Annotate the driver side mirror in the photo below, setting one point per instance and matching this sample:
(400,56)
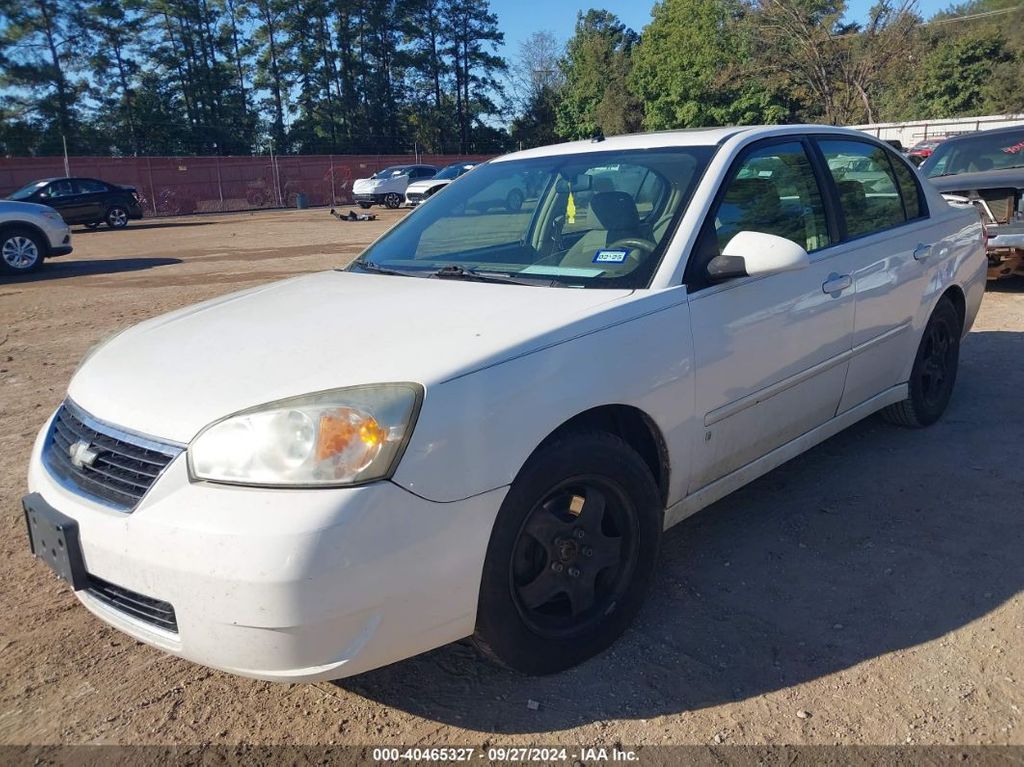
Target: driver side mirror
(755,254)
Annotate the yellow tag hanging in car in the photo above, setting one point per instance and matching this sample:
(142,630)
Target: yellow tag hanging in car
(570,208)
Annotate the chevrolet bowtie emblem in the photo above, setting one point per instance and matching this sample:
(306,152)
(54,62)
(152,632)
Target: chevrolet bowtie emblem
(82,454)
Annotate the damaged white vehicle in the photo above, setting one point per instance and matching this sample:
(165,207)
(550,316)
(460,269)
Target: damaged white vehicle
(387,187)
(482,426)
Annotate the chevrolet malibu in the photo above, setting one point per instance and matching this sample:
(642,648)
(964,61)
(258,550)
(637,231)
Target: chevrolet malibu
(482,426)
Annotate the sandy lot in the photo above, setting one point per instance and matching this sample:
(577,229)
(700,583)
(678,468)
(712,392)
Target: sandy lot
(874,583)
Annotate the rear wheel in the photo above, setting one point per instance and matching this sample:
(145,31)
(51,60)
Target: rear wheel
(934,372)
(21,251)
(571,555)
(117,217)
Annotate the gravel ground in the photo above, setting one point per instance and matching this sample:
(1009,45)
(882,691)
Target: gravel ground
(868,592)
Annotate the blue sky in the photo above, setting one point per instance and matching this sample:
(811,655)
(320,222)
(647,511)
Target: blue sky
(520,18)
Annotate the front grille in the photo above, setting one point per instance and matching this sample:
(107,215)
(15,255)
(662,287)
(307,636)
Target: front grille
(146,609)
(414,196)
(124,465)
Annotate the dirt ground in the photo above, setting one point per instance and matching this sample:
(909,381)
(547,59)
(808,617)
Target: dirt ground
(873,584)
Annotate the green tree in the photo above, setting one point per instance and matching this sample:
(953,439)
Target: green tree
(40,41)
(692,68)
(958,73)
(597,67)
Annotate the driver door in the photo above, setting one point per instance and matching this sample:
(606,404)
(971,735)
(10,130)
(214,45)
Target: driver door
(770,351)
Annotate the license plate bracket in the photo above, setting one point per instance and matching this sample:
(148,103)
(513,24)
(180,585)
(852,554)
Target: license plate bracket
(53,537)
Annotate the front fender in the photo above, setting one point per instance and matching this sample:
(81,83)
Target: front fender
(476,431)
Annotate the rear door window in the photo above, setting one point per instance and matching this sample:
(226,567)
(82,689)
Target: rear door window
(90,186)
(868,190)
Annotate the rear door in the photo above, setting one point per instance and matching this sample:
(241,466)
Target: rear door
(887,239)
(95,195)
(771,352)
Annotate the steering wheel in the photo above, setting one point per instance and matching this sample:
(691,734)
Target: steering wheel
(634,242)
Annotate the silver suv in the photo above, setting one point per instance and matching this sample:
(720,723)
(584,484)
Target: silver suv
(28,234)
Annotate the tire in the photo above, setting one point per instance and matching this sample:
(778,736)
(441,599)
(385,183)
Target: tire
(514,200)
(21,251)
(92,225)
(365,205)
(392,200)
(116,217)
(558,588)
(934,373)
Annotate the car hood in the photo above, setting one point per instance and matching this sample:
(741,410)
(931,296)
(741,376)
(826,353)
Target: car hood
(172,375)
(15,207)
(430,183)
(380,185)
(989,179)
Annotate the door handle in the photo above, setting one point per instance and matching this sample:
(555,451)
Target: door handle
(836,283)
(922,251)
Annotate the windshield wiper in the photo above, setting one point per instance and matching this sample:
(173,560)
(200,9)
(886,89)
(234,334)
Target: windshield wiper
(369,266)
(456,272)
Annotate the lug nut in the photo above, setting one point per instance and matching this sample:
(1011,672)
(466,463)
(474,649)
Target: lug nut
(556,566)
(574,572)
(587,551)
(578,532)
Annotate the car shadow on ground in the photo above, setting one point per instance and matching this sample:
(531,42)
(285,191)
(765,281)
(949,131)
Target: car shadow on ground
(156,225)
(58,270)
(1006,285)
(877,540)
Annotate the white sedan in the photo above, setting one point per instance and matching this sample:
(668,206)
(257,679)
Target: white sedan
(482,427)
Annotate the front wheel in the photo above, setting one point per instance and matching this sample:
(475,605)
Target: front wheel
(392,200)
(117,217)
(21,251)
(571,555)
(365,205)
(934,372)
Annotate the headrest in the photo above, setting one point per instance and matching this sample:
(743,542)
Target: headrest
(852,194)
(615,210)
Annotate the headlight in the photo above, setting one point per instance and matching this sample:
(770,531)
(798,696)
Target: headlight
(341,437)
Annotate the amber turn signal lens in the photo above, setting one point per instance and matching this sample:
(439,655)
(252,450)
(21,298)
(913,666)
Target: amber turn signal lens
(344,429)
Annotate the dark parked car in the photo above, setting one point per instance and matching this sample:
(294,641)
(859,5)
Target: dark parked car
(86,201)
(987,168)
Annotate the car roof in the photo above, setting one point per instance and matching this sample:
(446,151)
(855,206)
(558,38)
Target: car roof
(678,138)
(990,132)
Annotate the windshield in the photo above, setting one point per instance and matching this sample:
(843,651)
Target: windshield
(26,191)
(982,152)
(593,220)
(453,171)
(394,170)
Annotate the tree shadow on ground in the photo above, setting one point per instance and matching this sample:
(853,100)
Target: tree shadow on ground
(877,540)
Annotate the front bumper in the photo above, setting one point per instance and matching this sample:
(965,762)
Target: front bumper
(372,198)
(285,585)
(1005,249)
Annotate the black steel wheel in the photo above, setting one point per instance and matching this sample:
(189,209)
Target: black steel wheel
(934,373)
(571,555)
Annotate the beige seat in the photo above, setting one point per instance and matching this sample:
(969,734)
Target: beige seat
(617,219)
